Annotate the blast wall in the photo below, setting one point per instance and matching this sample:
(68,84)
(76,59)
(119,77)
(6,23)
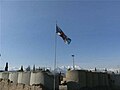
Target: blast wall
(5,84)
(13,76)
(4,75)
(89,82)
(95,79)
(115,80)
(24,77)
(100,79)
(44,78)
(76,79)
(36,78)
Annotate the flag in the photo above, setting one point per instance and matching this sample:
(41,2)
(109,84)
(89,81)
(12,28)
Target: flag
(62,34)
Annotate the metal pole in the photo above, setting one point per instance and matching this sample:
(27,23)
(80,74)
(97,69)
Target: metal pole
(55,55)
(73,62)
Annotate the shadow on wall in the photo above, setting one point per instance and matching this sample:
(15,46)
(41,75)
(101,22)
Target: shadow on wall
(76,86)
(73,85)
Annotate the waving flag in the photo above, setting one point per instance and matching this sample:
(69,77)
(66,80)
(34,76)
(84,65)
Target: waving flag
(61,34)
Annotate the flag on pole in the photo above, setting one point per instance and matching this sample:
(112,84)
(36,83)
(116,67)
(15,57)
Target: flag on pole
(61,34)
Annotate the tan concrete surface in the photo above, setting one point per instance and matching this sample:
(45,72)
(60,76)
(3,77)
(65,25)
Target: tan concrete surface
(6,84)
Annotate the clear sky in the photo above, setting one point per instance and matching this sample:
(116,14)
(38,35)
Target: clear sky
(27,32)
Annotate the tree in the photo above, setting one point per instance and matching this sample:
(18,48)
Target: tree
(105,69)
(95,69)
(21,69)
(28,68)
(6,67)
(34,68)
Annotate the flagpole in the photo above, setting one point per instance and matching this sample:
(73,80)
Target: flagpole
(55,55)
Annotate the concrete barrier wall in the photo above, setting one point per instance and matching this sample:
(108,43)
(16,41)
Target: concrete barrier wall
(44,78)
(49,81)
(100,79)
(72,75)
(82,78)
(24,77)
(106,79)
(95,79)
(116,79)
(37,78)
(32,78)
(7,85)
(4,75)
(76,79)
(1,74)
(89,79)
(72,78)
(13,76)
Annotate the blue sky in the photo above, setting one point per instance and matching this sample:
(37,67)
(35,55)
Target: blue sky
(27,32)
